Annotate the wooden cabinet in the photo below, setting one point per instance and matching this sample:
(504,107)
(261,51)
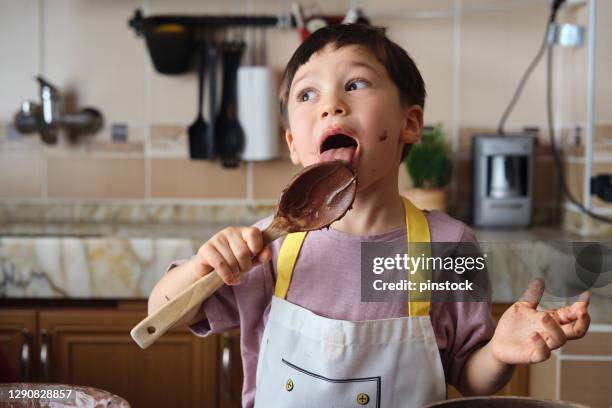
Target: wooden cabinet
(94,348)
(519,383)
(91,346)
(17,337)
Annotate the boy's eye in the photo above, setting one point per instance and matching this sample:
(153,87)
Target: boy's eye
(306,95)
(357,84)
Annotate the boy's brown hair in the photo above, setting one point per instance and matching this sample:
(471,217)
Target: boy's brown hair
(400,67)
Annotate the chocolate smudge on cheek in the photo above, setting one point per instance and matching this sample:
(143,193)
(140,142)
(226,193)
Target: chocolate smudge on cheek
(383,136)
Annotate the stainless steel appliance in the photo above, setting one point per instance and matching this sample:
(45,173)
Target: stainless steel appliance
(502,180)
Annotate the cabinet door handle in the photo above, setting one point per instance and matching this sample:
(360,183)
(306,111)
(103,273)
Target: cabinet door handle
(226,364)
(25,355)
(44,355)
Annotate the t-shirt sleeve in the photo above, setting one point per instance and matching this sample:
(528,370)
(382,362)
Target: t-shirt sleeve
(461,327)
(218,313)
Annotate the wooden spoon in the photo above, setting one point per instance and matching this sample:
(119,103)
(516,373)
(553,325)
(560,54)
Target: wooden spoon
(316,197)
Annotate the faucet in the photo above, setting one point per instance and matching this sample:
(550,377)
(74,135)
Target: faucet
(47,117)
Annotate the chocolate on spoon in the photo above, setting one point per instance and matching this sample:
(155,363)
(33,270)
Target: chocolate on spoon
(316,197)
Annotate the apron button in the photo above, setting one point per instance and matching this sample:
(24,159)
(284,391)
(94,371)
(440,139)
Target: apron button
(289,385)
(363,399)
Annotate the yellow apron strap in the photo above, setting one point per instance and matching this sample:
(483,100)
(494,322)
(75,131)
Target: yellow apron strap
(287,257)
(418,232)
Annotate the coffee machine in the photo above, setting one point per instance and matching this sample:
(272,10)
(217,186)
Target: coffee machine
(502,180)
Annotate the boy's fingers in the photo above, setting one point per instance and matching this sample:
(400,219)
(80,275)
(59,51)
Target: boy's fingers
(222,245)
(539,349)
(583,300)
(551,332)
(235,280)
(564,315)
(569,314)
(202,267)
(240,250)
(253,238)
(265,255)
(577,329)
(217,262)
(533,294)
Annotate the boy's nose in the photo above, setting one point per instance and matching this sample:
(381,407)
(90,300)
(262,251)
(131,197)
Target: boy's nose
(334,108)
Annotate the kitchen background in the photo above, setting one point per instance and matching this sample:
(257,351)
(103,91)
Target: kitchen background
(471,58)
(114,207)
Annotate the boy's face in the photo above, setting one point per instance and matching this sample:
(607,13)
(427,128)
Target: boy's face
(347,91)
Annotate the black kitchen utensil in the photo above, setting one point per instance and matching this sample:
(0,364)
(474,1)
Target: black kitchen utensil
(170,46)
(212,96)
(199,148)
(229,136)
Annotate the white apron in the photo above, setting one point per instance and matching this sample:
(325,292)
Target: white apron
(306,360)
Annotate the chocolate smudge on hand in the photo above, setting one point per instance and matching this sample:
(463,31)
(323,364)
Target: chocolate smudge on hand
(383,136)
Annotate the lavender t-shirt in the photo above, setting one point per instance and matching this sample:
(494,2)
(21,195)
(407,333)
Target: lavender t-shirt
(327,281)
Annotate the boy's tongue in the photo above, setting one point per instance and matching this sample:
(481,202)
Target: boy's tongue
(341,153)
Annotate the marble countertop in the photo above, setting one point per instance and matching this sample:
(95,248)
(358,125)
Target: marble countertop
(190,229)
(107,260)
(194,231)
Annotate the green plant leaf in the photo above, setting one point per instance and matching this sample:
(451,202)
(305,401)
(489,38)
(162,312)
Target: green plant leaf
(428,162)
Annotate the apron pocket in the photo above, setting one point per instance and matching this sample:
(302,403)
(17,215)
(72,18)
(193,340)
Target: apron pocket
(303,387)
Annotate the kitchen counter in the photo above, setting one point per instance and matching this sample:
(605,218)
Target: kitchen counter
(197,231)
(88,261)
(516,257)
(102,250)
(124,260)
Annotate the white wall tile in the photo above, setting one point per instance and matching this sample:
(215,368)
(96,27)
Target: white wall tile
(19,55)
(429,42)
(90,51)
(497,47)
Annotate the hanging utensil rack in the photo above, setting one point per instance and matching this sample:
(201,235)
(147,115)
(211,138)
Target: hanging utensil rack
(139,23)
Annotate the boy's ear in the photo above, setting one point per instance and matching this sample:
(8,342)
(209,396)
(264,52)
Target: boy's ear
(413,124)
(289,138)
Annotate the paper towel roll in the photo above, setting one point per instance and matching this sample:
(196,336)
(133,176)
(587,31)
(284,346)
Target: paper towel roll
(257,112)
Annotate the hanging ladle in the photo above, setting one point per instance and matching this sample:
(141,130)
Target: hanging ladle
(316,197)
(199,146)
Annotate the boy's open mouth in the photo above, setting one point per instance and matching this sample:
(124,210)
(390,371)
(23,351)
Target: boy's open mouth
(338,147)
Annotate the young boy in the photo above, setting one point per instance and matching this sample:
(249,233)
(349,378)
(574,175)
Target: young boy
(307,339)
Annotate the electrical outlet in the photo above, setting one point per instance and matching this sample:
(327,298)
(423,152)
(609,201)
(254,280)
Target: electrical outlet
(119,132)
(570,35)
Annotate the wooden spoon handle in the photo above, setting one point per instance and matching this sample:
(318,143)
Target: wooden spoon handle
(155,325)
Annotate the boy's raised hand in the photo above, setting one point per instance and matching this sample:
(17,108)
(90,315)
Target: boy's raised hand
(231,251)
(525,335)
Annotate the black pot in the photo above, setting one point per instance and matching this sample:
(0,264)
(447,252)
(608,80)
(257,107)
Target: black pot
(170,45)
(503,402)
